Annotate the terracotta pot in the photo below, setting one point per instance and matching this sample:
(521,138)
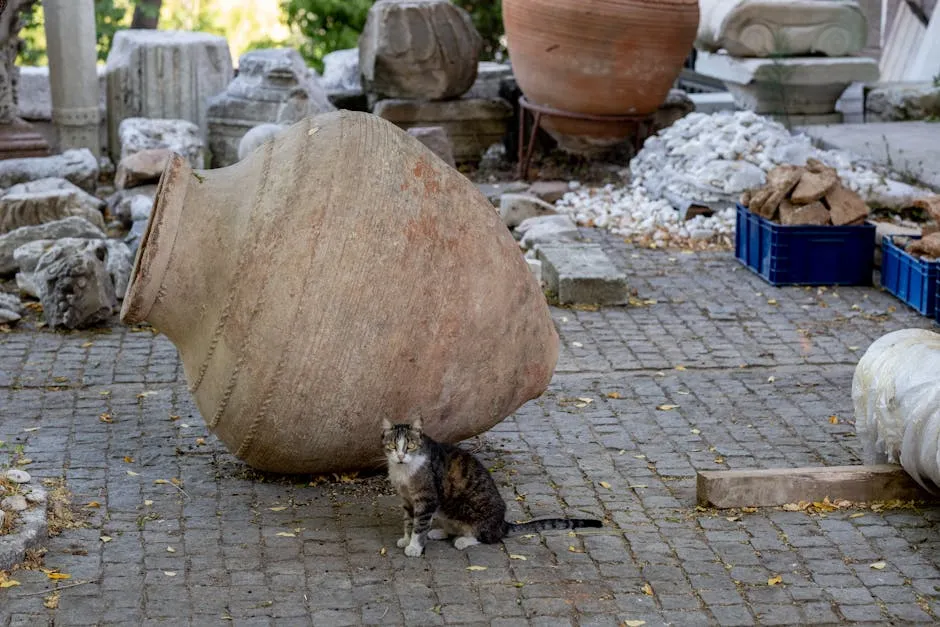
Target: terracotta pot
(340,274)
(598,57)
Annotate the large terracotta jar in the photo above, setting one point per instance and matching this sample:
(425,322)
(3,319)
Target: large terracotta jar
(598,57)
(339,275)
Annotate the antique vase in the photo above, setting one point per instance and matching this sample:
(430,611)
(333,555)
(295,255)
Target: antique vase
(598,57)
(339,275)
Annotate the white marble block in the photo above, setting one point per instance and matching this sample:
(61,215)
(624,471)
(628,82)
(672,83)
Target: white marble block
(164,74)
(803,89)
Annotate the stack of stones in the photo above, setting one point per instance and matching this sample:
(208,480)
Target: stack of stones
(274,88)
(21,501)
(419,63)
(809,195)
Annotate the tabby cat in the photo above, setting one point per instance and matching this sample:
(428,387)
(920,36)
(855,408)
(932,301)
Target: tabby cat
(447,486)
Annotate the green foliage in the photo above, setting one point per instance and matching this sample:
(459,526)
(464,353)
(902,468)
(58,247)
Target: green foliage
(33,48)
(110,16)
(488,18)
(326,25)
(936,80)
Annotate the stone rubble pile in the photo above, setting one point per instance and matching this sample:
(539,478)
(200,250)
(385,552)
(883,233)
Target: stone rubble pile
(708,161)
(807,195)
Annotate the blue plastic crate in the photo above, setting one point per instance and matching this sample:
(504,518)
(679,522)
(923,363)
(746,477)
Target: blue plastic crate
(805,255)
(911,279)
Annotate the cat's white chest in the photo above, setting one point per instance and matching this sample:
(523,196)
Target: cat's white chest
(400,474)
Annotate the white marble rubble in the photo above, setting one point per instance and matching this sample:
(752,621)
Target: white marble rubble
(711,159)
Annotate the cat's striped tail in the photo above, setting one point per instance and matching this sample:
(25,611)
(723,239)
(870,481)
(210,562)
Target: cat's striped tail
(544,524)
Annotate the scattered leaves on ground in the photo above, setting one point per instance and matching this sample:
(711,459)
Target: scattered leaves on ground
(773,581)
(878,565)
(647,589)
(667,407)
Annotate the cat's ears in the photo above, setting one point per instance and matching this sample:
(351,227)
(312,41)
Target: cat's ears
(386,425)
(416,424)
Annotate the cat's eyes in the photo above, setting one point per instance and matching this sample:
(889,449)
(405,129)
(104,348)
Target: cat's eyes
(390,446)
(412,446)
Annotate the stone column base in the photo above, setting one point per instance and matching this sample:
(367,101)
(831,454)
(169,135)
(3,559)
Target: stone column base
(19,139)
(802,89)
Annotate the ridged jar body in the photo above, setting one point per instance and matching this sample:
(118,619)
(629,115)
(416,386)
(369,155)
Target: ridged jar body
(339,275)
(598,57)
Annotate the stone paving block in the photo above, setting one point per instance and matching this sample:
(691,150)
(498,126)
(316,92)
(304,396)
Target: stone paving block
(582,274)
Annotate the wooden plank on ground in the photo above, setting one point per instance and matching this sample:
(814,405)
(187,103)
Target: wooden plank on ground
(775,487)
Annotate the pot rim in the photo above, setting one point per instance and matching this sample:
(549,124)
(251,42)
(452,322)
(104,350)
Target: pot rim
(157,243)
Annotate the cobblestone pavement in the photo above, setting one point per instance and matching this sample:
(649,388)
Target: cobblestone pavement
(756,372)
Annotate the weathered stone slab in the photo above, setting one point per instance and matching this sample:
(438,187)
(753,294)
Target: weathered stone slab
(514,209)
(582,274)
(472,124)
(76,166)
(546,230)
(273,85)
(68,227)
(341,72)
(165,75)
(779,486)
(141,168)
(180,136)
(900,102)
(426,49)
(47,200)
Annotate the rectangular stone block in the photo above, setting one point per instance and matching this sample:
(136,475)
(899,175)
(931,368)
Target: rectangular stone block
(779,486)
(473,124)
(582,274)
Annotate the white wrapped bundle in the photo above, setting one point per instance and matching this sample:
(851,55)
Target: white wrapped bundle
(896,391)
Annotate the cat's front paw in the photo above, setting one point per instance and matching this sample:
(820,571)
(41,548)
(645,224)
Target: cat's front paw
(413,550)
(403,542)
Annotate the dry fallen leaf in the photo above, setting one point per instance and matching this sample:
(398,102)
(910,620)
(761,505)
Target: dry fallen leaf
(719,460)
(514,556)
(614,395)
(680,368)
(52,601)
(57,576)
(9,583)
(170,573)
(280,508)
(771,301)
(106,418)
(749,510)
(133,474)
(93,504)
(773,581)
(733,518)
(604,484)
(666,407)
(286,534)
(170,549)
(200,441)
(476,567)
(833,420)
(857,515)
(383,551)
(696,431)
(128,459)
(148,502)
(160,481)
(878,565)
(634,623)
(105,539)
(647,589)
(577,344)
(771,379)
(575,549)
